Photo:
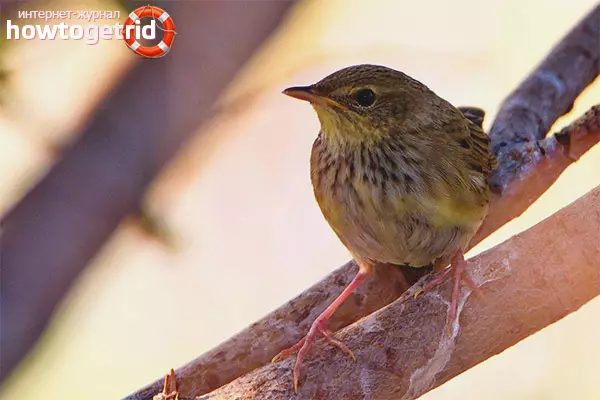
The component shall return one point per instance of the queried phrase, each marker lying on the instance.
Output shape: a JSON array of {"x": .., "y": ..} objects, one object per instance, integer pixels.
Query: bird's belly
[{"x": 394, "y": 229}]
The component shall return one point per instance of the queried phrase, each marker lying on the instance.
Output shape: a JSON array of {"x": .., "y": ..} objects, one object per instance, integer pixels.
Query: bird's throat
[{"x": 344, "y": 131}]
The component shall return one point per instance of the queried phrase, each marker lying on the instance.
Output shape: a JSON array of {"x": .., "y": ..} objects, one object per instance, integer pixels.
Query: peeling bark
[{"x": 402, "y": 350}]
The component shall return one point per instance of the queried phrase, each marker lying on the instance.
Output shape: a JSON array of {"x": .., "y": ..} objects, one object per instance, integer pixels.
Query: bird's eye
[{"x": 365, "y": 97}]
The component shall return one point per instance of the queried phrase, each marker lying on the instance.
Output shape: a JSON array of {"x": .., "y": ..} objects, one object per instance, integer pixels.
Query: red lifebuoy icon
[{"x": 161, "y": 15}]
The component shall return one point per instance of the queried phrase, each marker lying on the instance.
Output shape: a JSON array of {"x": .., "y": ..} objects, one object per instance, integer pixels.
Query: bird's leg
[
  {"x": 319, "y": 327},
  {"x": 458, "y": 268}
]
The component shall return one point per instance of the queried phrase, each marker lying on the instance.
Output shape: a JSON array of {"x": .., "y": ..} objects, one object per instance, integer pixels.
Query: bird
[{"x": 401, "y": 176}]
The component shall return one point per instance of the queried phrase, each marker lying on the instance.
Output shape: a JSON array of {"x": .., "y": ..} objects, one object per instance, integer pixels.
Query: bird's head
[{"x": 365, "y": 102}]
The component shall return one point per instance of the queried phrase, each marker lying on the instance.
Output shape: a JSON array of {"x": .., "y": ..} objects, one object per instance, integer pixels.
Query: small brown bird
[{"x": 401, "y": 176}]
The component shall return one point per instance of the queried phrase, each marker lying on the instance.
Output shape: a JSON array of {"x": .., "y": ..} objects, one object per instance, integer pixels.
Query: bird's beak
[{"x": 307, "y": 93}]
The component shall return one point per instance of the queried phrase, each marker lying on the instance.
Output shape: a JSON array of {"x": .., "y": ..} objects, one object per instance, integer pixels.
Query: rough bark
[
  {"x": 402, "y": 350},
  {"x": 546, "y": 94},
  {"x": 525, "y": 172},
  {"x": 52, "y": 234},
  {"x": 533, "y": 175},
  {"x": 257, "y": 344}
]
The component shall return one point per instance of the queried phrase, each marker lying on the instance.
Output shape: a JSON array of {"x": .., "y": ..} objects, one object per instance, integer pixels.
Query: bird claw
[
  {"x": 474, "y": 288},
  {"x": 434, "y": 281},
  {"x": 417, "y": 293},
  {"x": 458, "y": 268},
  {"x": 341, "y": 345},
  {"x": 289, "y": 351},
  {"x": 319, "y": 327},
  {"x": 302, "y": 347}
]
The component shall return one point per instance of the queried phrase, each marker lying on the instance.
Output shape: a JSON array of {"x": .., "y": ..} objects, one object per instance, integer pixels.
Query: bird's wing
[
  {"x": 481, "y": 150},
  {"x": 476, "y": 145},
  {"x": 473, "y": 114}
]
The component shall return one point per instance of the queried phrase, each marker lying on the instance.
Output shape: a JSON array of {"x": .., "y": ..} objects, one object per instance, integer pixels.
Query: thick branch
[
  {"x": 257, "y": 344},
  {"x": 527, "y": 173},
  {"x": 402, "y": 350}
]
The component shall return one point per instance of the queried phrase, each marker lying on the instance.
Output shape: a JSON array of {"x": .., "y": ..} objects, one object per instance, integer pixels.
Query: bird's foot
[
  {"x": 319, "y": 327},
  {"x": 458, "y": 268}
]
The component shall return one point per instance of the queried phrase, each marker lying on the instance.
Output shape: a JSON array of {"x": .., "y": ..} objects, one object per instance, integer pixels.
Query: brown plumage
[{"x": 400, "y": 174}]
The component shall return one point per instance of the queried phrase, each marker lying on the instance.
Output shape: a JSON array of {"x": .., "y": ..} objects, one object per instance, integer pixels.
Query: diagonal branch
[
  {"x": 525, "y": 174},
  {"x": 540, "y": 164},
  {"x": 402, "y": 350},
  {"x": 52, "y": 234},
  {"x": 545, "y": 95}
]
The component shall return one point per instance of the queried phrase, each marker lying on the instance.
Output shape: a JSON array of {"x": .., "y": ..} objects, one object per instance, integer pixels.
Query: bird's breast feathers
[{"x": 394, "y": 216}]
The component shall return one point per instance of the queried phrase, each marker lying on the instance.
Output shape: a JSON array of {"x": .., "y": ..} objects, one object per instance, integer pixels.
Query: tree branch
[
  {"x": 525, "y": 174},
  {"x": 402, "y": 350},
  {"x": 540, "y": 164},
  {"x": 52, "y": 234},
  {"x": 545, "y": 95}
]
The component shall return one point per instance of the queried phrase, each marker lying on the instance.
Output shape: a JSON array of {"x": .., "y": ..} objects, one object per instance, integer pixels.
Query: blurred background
[{"x": 236, "y": 229}]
